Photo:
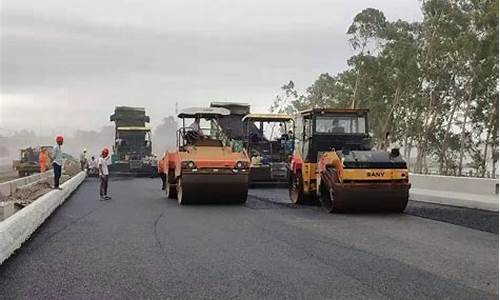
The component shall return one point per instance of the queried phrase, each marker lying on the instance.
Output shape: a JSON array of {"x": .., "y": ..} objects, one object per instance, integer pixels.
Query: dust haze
[{"x": 64, "y": 67}]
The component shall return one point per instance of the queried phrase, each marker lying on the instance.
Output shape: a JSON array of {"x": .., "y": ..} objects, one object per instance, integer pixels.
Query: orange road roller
[
  {"x": 333, "y": 162},
  {"x": 206, "y": 166}
]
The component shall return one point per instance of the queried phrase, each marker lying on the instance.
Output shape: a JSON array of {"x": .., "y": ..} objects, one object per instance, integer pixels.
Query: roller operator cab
[
  {"x": 333, "y": 162},
  {"x": 206, "y": 167}
]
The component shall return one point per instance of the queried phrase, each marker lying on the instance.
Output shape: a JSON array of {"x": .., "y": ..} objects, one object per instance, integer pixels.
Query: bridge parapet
[
  {"x": 9, "y": 187},
  {"x": 480, "y": 186},
  {"x": 480, "y": 193}
]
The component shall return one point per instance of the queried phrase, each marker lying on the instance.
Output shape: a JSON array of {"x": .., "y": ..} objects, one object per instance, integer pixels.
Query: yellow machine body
[{"x": 345, "y": 179}]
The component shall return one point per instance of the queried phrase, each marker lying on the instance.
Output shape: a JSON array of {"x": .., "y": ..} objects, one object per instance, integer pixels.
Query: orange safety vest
[{"x": 42, "y": 161}]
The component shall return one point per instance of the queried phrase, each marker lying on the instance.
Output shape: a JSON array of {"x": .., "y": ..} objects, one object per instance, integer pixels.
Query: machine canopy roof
[
  {"x": 267, "y": 117},
  {"x": 358, "y": 111},
  {"x": 204, "y": 112},
  {"x": 223, "y": 104},
  {"x": 133, "y": 128}
]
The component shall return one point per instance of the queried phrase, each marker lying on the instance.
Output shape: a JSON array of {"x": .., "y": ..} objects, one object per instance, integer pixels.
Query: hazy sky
[{"x": 69, "y": 63}]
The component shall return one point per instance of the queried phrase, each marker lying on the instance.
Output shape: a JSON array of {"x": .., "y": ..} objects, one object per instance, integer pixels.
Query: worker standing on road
[
  {"x": 161, "y": 172},
  {"x": 104, "y": 174},
  {"x": 42, "y": 160},
  {"x": 83, "y": 160},
  {"x": 58, "y": 161}
]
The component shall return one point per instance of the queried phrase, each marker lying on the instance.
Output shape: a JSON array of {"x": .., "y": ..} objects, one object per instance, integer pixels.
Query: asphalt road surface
[{"x": 142, "y": 245}]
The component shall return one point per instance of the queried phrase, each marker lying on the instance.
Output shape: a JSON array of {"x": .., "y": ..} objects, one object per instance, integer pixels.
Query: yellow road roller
[{"x": 333, "y": 163}]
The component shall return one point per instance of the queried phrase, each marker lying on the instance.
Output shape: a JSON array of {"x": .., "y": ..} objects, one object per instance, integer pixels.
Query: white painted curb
[
  {"x": 477, "y": 193},
  {"x": 467, "y": 185},
  {"x": 16, "y": 229}
]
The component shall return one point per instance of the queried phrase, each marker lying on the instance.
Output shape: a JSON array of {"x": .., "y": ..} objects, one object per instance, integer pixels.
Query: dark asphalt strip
[
  {"x": 264, "y": 203},
  {"x": 478, "y": 219}
]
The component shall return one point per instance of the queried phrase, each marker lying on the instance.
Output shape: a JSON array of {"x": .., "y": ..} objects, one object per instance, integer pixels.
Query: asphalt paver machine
[
  {"x": 269, "y": 141},
  {"x": 132, "y": 149}
]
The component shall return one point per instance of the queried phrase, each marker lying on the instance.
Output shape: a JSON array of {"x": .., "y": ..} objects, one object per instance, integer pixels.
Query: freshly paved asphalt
[{"x": 142, "y": 245}]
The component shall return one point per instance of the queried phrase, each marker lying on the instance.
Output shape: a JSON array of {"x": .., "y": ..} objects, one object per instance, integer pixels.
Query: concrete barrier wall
[
  {"x": 9, "y": 187},
  {"x": 16, "y": 229},
  {"x": 480, "y": 186}
]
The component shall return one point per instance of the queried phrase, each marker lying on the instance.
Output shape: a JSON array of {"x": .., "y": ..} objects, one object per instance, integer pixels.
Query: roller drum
[{"x": 212, "y": 188}]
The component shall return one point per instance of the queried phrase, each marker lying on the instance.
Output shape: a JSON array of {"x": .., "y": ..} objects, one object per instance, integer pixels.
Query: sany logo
[{"x": 375, "y": 174}]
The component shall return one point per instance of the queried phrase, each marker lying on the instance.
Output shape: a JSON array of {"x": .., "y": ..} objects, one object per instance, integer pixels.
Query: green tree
[{"x": 433, "y": 85}]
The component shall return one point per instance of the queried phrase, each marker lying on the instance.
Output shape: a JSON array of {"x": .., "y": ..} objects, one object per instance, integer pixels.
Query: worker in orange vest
[
  {"x": 161, "y": 172},
  {"x": 42, "y": 160}
]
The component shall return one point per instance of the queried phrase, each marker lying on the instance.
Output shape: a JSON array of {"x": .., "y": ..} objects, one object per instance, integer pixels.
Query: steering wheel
[{"x": 191, "y": 134}]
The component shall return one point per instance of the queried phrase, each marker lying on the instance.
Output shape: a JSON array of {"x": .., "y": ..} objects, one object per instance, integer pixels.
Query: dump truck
[
  {"x": 333, "y": 162},
  {"x": 28, "y": 162},
  {"x": 269, "y": 141},
  {"x": 206, "y": 166},
  {"x": 132, "y": 149}
]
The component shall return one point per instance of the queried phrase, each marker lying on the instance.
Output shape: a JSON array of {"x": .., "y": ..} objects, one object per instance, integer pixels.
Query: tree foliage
[{"x": 433, "y": 85}]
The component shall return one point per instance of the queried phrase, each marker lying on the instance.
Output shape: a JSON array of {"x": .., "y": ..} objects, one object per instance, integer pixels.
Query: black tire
[
  {"x": 171, "y": 191},
  {"x": 171, "y": 185},
  {"x": 327, "y": 195},
  {"x": 401, "y": 208},
  {"x": 242, "y": 199},
  {"x": 296, "y": 188},
  {"x": 180, "y": 195},
  {"x": 327, "y": 199}
]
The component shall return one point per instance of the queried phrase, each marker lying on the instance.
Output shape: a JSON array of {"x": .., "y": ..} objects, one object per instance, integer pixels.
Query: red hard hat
[
  {"x": 105, "y": 151},
  {"x": 59, "y": 138}
]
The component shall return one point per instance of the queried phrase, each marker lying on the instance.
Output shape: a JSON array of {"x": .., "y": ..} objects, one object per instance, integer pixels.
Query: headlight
[
  {"x": 241, "y": 165},
  {"x": 188, "y": 165}
]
